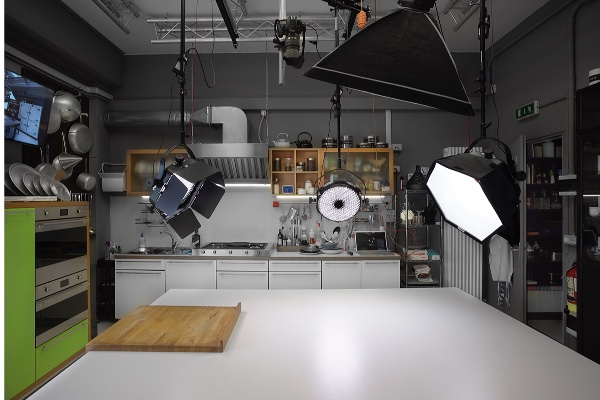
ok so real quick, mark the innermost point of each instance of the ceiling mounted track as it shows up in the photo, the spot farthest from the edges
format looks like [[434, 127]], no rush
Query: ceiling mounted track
[[120, 11]]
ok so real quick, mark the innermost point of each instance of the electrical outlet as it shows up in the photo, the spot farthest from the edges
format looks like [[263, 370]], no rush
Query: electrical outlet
[[397, 147], [570, 239]]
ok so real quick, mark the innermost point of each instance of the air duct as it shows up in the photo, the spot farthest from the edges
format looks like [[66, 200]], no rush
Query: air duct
[[238, 160]]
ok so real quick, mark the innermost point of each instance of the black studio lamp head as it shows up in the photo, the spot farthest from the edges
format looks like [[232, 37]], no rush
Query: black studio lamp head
[[188, 184], [401, 56]]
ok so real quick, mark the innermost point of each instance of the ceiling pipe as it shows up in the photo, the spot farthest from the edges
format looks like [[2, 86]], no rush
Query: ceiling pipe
[[282, 16]]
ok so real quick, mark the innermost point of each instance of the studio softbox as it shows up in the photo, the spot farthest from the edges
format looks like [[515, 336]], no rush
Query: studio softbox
[[476, 194], [401, 56]]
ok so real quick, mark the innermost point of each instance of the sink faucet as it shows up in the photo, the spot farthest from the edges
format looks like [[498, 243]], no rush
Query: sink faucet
[[174, 243]]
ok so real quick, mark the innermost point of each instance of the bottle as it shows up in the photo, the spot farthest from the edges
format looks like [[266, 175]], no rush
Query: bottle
[[196, 239], [311, 239], [303, 237], [276, 186], [280, 238], [142, 246]]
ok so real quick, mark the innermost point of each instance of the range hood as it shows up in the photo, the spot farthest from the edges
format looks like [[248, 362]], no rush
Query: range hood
[[238, 160]]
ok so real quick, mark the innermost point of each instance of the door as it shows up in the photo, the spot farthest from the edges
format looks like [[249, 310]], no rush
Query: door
[[138, 285], [341, 274], [191, 274], [380, 274], [518, 290]]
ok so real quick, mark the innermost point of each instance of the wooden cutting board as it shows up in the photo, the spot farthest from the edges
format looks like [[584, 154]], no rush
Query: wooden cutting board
[[170, 328]]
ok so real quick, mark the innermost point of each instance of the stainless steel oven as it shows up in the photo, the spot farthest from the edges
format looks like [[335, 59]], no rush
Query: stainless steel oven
[[61, 285]]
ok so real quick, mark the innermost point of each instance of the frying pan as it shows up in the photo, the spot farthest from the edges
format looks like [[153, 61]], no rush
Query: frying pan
[[80, 138], [55, 120], [68, 106]]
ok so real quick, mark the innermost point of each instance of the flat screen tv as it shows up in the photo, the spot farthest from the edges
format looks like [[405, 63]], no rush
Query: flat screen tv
[[26, 109]]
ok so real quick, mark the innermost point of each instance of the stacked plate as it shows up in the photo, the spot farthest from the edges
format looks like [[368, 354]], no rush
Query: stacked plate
[[22, 180]]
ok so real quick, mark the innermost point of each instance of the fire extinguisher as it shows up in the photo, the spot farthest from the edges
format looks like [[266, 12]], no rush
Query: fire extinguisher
[[572, 289]]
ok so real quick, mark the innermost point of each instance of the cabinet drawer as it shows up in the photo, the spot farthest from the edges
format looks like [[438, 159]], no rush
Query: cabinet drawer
[[295, 280], [341, 274], [191, 274], [55, 351], [297, 265]]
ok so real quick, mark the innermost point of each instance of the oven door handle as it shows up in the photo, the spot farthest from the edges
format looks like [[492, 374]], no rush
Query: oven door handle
[[60, 296], [56, 225]]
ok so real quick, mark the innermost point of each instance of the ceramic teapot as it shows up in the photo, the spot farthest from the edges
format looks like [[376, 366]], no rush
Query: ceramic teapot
[[282, 142]]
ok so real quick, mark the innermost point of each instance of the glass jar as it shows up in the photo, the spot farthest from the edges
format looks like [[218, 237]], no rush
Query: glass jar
[[277, 164], [300, 166], [289, 163], [276, 186]]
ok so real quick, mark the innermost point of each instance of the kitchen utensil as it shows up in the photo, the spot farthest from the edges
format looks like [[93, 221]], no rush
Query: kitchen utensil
[[85, 181], [46, 169], [55, 120], [304, 216], [9, 183], [46, 183], [331, 251], [304, 144], [68, 106], [80, 138], [282, 142], [16, 172], [292, 213], [329, 142], [283, 217], [28, 179], [417, 180], [60, 190], [64, 163]]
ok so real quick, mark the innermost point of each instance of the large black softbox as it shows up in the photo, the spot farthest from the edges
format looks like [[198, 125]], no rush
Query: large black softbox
[[401, 56]]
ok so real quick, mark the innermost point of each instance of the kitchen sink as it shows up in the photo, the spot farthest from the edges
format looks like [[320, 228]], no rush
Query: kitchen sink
[[163, 250]]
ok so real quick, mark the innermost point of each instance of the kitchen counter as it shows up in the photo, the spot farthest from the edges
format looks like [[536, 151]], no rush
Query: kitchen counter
[[178, 255], [344, 344]]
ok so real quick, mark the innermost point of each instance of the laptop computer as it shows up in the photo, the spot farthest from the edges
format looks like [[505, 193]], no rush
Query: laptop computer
[[372, 243]]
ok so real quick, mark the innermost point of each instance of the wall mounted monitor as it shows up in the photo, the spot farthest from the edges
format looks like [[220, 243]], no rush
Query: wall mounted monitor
[[26, 109]]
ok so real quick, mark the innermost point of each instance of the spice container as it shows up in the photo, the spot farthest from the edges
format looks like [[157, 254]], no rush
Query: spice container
[[276, 164], [311, 164], [289, 163], [300, 166], [276, 186]]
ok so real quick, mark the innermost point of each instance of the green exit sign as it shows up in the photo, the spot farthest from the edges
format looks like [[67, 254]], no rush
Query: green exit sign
[[528, 110]]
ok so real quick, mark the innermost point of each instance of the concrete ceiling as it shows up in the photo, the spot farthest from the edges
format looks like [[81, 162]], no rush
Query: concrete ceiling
[[505, 16]]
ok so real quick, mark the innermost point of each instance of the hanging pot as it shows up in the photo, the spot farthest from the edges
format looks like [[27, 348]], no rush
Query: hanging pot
[[85, 182], [304, 144], [80, 138], [64, 163], [68, 106]]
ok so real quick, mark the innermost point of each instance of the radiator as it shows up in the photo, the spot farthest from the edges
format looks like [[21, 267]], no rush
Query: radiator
[[462, 255], [462, 262]]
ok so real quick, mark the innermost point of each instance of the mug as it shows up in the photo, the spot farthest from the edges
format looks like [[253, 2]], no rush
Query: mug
[[310, 190], [301, 191], [307, 184]]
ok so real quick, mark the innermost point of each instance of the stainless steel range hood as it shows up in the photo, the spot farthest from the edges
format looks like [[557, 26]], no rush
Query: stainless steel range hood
[[240, 161]]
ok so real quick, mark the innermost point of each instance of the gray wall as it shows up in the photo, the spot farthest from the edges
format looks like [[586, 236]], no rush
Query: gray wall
[[303, 104]]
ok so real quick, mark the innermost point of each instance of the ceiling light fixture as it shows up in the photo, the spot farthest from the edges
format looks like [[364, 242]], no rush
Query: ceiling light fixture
[[188, 184], [401, 56]]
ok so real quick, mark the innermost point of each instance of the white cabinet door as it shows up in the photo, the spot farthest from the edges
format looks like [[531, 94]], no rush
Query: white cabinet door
[[137, 283], [242, 280], [380, 274], [295, 280], [242, 274], [191, 274], [341, 274]]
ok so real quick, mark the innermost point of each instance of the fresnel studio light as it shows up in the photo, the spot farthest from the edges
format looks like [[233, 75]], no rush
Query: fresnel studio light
[[188, 184]]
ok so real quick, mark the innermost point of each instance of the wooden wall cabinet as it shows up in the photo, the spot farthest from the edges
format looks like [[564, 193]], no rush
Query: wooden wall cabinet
[[142, 164], [374, 166]]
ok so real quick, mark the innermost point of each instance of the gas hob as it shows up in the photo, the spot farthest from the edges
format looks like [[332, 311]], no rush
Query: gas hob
[[236, 249]]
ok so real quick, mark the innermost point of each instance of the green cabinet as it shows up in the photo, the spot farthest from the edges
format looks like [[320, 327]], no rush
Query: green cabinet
[[19, 300], [58, 349]]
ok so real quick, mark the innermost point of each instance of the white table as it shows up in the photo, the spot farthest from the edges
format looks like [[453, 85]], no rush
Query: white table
[[344, 344]]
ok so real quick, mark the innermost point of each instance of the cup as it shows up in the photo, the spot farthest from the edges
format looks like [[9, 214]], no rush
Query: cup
[[307, 184], [310, 190], [301, 191]]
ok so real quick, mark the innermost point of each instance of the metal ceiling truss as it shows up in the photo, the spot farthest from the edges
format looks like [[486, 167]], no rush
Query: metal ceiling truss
[[120, 11], [248, 29]]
